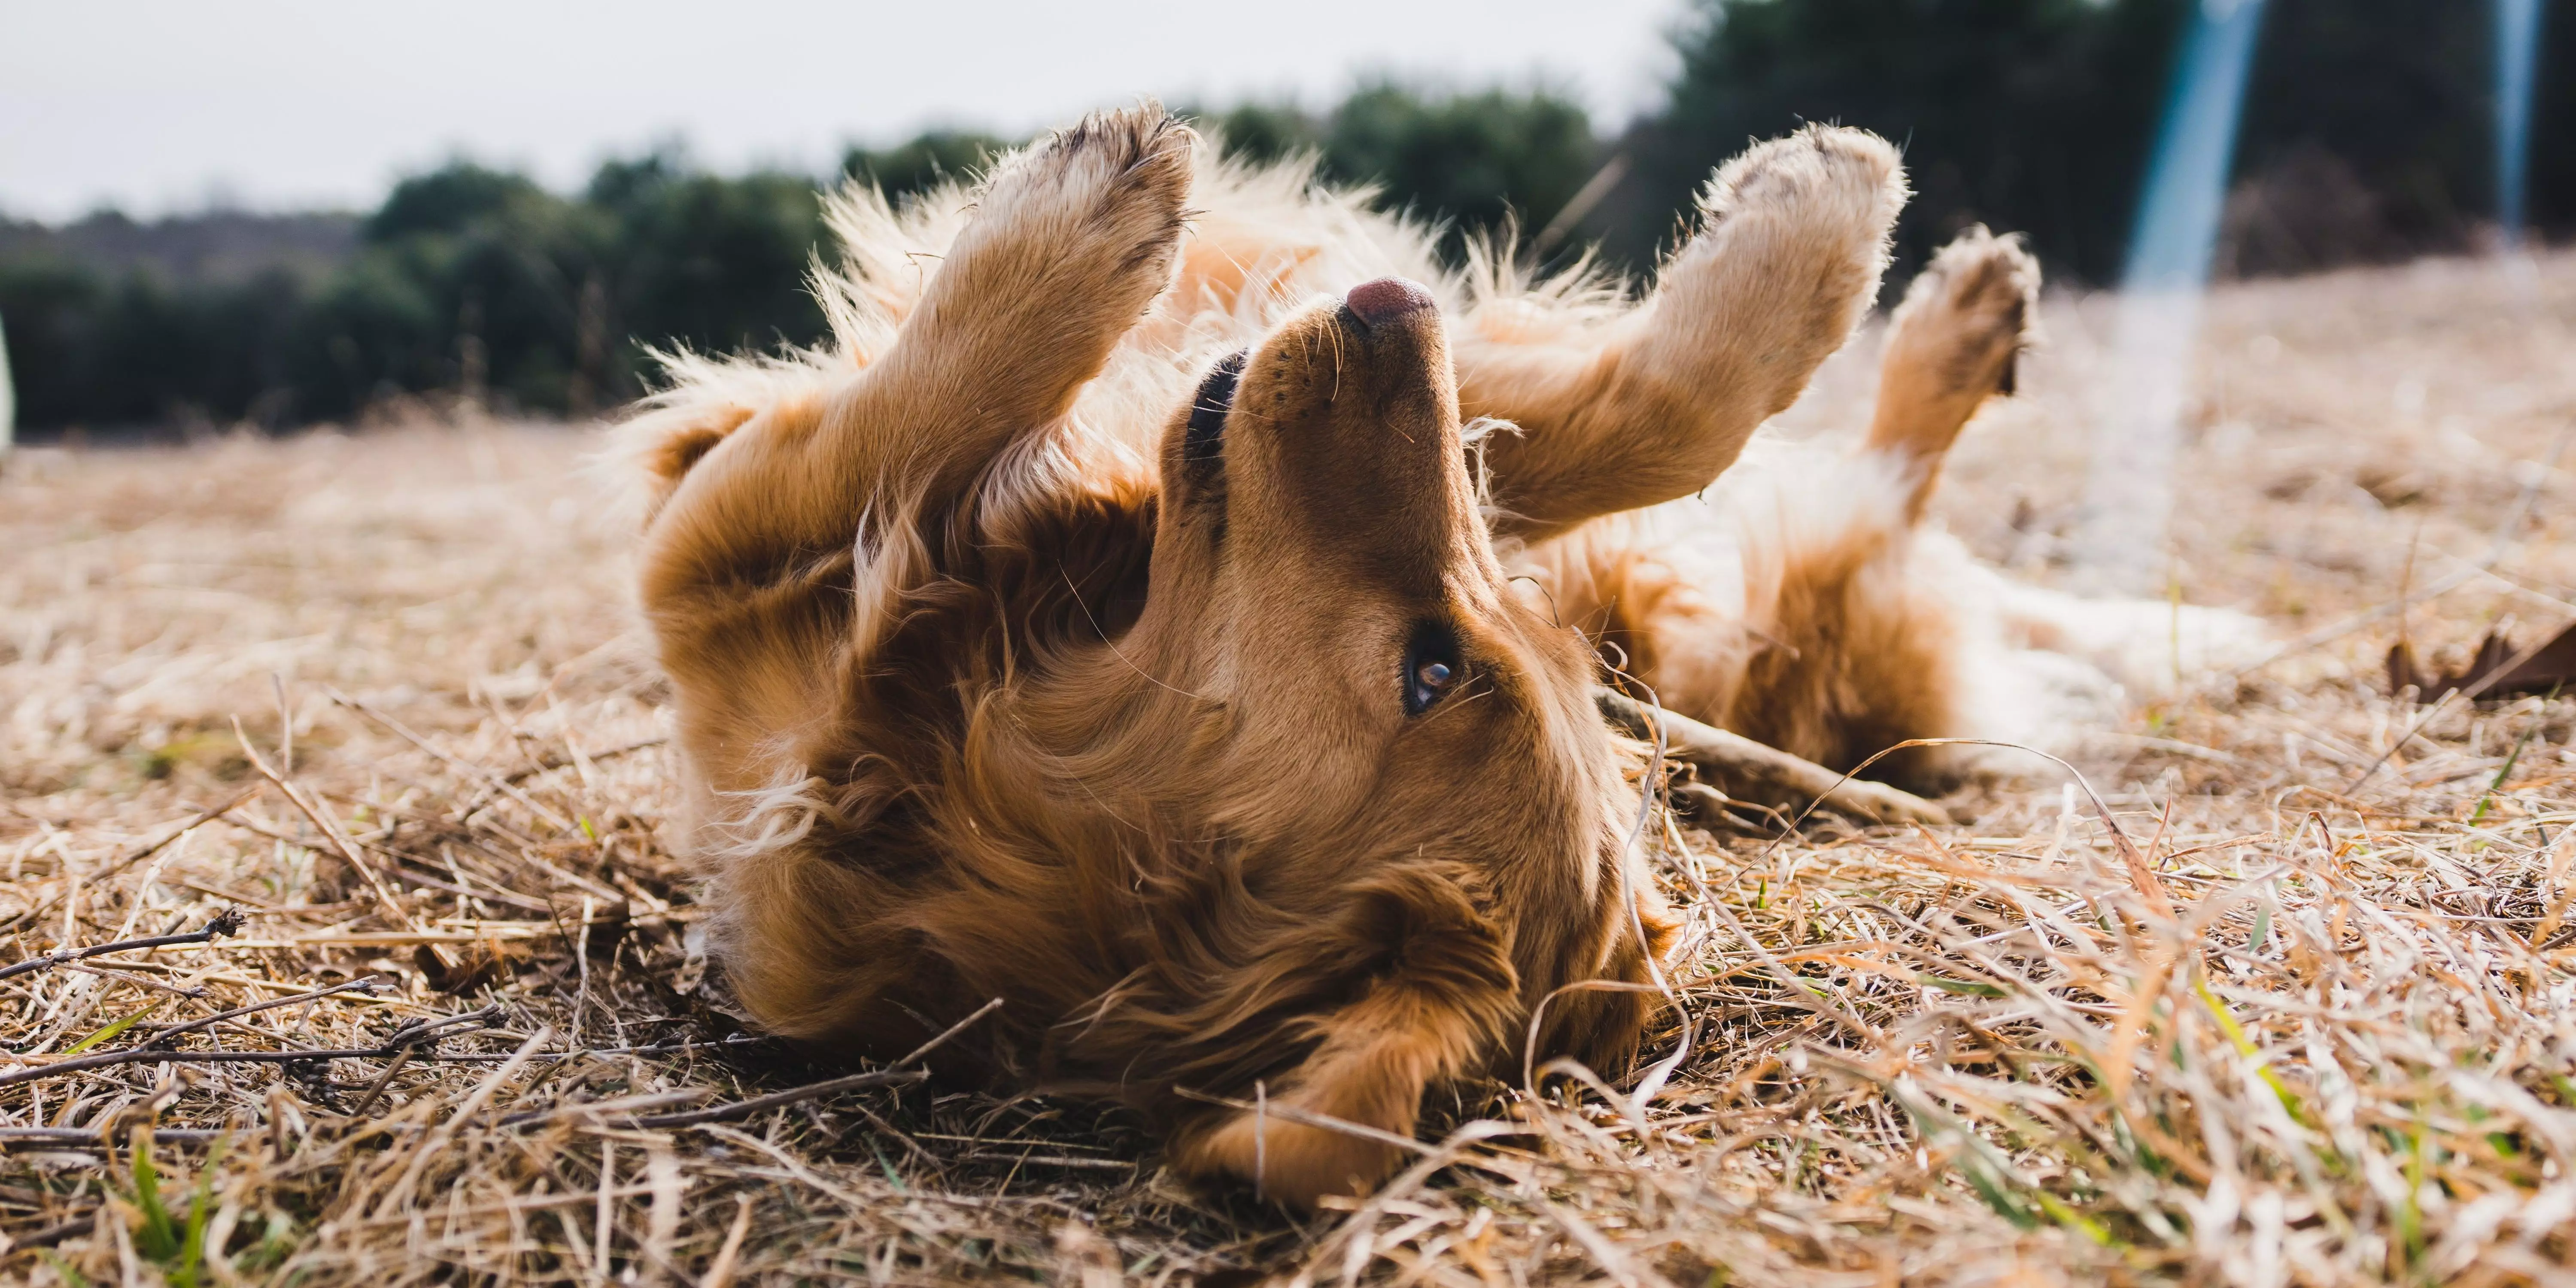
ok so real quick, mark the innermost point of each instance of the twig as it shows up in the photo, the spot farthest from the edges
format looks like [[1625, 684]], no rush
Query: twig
[[683, 1047], [158, 1050], [396, 869], [348, 850], [404, 1040], [1309, 1118], [1750, 769], [2468, 693], [383, 1080], [445, 1131], [227, 922], [455, 762], [780, 1099], [622, 1105], [90, 1137], [363, 983], [139, 854], [305, 1055], [594, 757], [2142, 874], [136, 980], [581, 960], [53, 1234], [815, 1090], [720, 1275]]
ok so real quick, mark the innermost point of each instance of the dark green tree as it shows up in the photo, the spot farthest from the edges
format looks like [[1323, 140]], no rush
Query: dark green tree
[[448, 200], [1478, 159], [2368, 129], [707, 262], [1262, 131], [1475, 161], [2033, 115], [2369, 133], [924, 160]]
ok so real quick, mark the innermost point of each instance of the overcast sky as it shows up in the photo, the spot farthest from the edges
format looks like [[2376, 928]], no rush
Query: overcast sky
[[160, 105]]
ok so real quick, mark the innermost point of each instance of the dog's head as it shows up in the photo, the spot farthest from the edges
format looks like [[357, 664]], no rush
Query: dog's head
[[1396, 738], [1251, 776]]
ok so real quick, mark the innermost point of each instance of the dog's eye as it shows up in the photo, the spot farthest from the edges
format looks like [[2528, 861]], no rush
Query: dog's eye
[[1431, 668]]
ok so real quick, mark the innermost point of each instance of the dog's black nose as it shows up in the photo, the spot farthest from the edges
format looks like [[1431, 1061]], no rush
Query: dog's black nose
[[1387, 299]]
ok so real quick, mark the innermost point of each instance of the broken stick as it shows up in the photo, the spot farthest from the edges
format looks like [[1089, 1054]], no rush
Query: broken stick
[[1748, 771]]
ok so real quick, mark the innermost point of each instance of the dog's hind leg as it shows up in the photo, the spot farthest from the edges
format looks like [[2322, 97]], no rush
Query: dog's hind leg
[[1954, 342], [1792, 239], [1845, 628], [1071, 242], [1869, 629]]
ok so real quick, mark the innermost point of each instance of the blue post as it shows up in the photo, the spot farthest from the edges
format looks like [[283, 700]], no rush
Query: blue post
[[2129, 491], [2517, 54], [2186, 193], [8, 398]]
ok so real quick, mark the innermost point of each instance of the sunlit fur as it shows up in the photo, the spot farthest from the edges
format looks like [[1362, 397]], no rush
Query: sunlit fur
[[1803, 602], [982, 693]]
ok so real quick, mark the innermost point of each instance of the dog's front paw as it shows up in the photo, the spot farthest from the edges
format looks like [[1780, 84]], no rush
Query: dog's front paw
[[1102, 198], [1844, 185], [1793, 236]]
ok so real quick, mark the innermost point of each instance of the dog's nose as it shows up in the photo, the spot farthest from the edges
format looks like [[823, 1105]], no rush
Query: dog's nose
[[1387, 299]]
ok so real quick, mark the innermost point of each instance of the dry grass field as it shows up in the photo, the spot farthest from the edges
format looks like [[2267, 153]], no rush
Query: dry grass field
[[380, 693]]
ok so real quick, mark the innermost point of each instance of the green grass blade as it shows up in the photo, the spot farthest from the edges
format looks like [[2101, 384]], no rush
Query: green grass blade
[[113, 1029]]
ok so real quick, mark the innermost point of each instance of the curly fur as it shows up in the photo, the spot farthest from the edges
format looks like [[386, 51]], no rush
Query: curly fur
[[986, 689]]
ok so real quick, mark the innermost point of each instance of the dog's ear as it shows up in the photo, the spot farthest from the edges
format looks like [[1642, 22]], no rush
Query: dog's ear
[[659, 447], [1448, 995]]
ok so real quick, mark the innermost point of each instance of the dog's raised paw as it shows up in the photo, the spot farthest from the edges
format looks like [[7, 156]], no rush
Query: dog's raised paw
[[1116, 181], [1841, 181], [1969, 314]]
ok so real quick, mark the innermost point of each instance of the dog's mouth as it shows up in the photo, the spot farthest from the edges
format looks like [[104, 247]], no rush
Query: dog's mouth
[[1203, 439]]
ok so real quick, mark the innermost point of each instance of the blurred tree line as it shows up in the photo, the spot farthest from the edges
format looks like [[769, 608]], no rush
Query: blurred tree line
[[2368, 130], [1486, 160], [2367, 135]]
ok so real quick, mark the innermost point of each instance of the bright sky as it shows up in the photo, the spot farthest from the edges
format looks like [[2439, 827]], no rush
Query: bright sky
[[156, 105]]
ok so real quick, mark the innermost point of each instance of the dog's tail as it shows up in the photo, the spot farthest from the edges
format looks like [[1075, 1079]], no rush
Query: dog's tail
[[1955, 341]]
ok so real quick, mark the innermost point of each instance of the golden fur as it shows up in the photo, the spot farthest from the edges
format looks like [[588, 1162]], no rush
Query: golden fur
[[1006, 666]]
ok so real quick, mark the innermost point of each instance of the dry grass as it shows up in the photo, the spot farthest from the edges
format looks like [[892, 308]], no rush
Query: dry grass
[[2323, 1032]]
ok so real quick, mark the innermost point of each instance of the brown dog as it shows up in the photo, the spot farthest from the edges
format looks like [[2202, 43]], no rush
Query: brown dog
[[1115, 622]]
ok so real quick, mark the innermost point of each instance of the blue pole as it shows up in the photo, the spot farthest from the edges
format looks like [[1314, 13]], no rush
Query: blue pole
[[2178, 215], [8, 398], [2517, 55], [2128, 502]]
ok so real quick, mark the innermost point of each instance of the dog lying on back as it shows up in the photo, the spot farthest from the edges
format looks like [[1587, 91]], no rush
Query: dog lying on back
[[1153, 610]]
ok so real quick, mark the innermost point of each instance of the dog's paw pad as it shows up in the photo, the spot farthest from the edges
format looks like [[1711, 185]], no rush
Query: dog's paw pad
[[1979, 297], [1119, 176], [1986, 277], [1822, 171]]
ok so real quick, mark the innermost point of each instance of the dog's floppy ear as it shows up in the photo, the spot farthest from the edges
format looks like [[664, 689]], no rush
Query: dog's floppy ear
[[659, 447], [1448, 994]]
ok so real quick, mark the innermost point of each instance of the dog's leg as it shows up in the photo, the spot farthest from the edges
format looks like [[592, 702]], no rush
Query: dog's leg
[[1954, 342], [1875, 642], [1792, 239], [1449, 998], [1071, 242], [1381, 1052]]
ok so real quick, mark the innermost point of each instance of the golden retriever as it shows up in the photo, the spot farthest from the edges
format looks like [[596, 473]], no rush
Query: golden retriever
[[1170, 605]]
